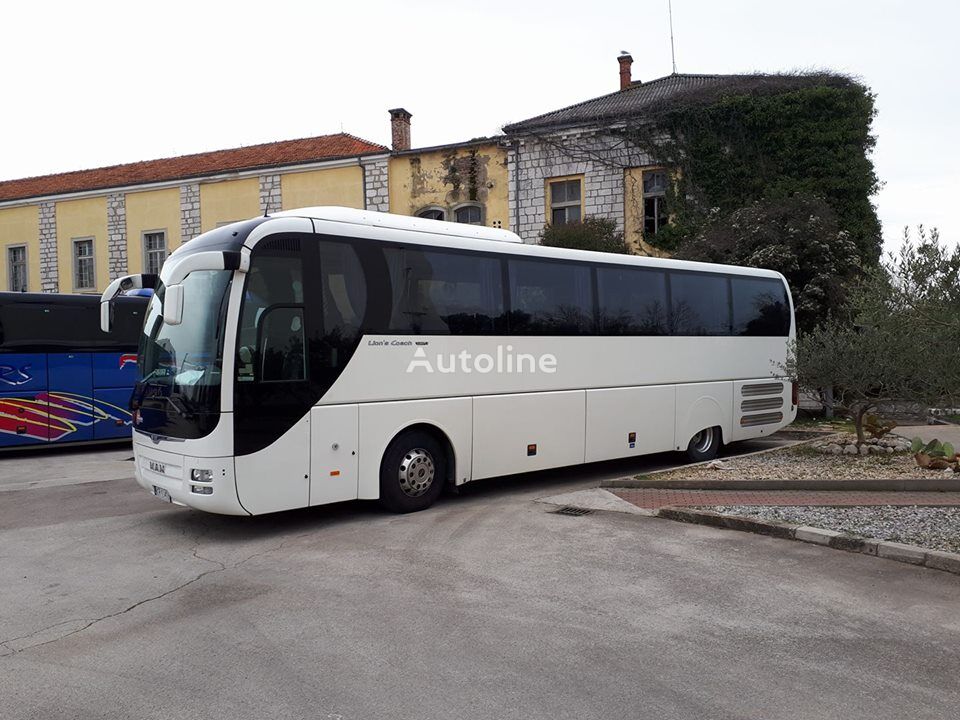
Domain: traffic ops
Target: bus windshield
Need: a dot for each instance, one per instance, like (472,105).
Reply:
(181,364)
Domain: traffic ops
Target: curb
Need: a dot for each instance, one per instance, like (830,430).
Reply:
(624,481)
(911,554)
(892,485)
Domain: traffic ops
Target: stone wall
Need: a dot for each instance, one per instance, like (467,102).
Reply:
(117,234)
(49,280)
(189,212)
(271,199)
(376,193)
(599,157)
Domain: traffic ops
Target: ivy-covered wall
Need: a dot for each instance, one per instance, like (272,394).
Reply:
(762,138)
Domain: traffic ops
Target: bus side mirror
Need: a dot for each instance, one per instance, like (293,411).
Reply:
(105,316)
(173,305)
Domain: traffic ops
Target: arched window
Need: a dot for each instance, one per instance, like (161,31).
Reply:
(470,214)
(433,213)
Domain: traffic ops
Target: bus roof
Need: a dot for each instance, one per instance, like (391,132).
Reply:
(401,222)
(401,228)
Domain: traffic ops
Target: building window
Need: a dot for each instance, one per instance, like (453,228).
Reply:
(17,268)
(654,201)
(469,214)
(83,269)
(565,201)
(154,251)
(433,213)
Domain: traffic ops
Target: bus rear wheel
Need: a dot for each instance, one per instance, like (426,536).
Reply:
(412,472)
(704,445)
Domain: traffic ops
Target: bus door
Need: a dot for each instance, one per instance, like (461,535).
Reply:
(70,396)
(23,405)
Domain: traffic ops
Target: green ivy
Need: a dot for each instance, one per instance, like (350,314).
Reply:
(762,138)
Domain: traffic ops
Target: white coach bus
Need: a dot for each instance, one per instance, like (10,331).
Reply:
(326,354)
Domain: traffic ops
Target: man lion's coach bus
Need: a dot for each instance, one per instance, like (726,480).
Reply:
(62,380)
(326,354)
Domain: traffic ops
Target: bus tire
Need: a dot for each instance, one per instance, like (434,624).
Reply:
(704,445)
(413,472)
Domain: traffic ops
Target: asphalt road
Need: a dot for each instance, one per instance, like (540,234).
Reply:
(114,605)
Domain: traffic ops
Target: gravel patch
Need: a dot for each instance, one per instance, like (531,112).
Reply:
(935,528)
(802,462)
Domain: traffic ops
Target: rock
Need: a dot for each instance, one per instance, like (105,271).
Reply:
(835,449)
(864,449)
(850,450)
(889,450)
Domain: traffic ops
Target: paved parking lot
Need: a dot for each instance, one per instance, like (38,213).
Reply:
(115,605)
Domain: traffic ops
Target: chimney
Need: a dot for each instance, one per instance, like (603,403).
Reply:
(400,128)
(625,61)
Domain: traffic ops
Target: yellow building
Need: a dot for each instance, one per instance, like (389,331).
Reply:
(74,232)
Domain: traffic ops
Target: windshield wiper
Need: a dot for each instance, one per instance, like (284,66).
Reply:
(180,404)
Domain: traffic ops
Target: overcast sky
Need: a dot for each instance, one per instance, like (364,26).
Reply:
(87,84)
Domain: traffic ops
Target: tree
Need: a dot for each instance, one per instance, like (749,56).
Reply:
(905,341)
(798,236)
(593,233)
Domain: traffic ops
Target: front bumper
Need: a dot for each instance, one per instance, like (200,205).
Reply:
(171,471)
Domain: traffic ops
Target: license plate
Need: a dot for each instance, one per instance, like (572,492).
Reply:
(162,493)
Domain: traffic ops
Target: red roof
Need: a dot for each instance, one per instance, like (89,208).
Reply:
(254,157)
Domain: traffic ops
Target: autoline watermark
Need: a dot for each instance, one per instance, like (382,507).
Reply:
(505,360)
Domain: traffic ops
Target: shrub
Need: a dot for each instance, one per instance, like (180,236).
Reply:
(592,233)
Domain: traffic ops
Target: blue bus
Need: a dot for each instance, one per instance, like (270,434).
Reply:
(63,380)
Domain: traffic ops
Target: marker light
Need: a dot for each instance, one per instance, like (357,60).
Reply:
(198,475)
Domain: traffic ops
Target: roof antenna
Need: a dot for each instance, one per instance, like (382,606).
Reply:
(673,56)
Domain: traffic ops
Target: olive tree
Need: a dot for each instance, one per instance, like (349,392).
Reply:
(905,342)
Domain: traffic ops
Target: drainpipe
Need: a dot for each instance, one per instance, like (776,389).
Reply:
(516,186)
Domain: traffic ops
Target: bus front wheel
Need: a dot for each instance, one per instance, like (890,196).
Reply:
(704,445)
(412,472)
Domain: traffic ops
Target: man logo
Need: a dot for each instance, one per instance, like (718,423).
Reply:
(158,467)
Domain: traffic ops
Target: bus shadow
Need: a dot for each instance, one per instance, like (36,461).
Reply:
(234,529)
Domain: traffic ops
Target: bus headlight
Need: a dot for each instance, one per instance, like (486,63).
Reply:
(198,475)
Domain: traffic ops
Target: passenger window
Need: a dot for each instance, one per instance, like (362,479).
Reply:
(550,298)
(700,304)
(441,293)
(760,307)
(344,291)
(632,301)
(281,345)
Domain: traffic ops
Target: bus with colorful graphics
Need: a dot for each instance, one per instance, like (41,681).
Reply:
(327,354)
(63,380)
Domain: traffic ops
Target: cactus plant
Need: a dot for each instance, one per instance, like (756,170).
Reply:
(935,455)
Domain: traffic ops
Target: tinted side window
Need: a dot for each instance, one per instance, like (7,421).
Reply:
(23,326)
(550,298)
(440,293)
(700,304)
(760,307)
(632,301)
(343,308)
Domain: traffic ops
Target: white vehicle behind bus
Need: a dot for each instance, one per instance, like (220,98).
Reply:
(327,354)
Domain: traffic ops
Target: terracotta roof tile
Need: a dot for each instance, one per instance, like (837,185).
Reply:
(285,152)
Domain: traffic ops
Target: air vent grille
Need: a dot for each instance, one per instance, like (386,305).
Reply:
(771,388)
(773,403)
(761,419)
